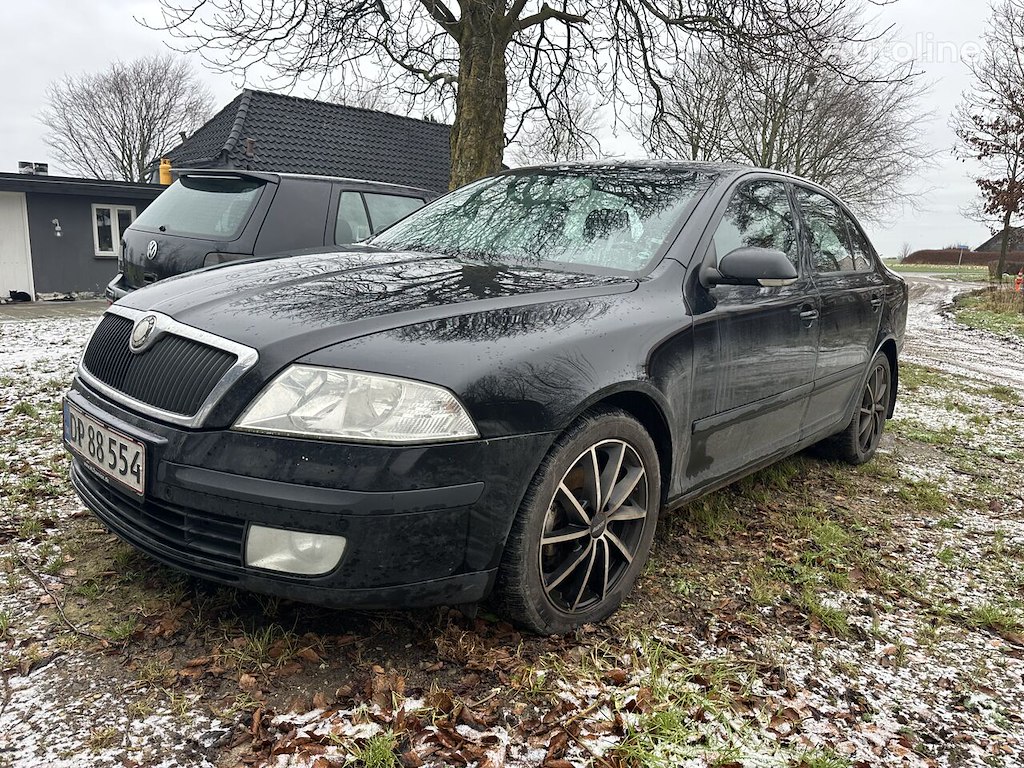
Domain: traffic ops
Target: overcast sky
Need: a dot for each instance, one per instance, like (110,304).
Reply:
(48,38)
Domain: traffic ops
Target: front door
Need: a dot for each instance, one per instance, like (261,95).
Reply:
(15,252)
(757,346)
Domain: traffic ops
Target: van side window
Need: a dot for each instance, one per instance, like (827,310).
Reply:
(352,224)
(385,210)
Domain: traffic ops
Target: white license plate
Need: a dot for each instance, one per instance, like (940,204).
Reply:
(108,451)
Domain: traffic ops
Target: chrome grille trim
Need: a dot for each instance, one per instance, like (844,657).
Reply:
(246,358)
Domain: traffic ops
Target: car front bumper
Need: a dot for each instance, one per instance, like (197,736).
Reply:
(424,525)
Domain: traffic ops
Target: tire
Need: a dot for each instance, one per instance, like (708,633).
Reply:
(552,587)
(857,443)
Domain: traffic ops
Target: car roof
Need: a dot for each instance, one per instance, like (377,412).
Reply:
(276,176)
(726,170)
(682,165)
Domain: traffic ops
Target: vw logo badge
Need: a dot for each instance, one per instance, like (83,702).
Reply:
(151,249)
(142,333)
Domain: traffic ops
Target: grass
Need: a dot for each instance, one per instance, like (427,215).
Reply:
(997,617)
(967,272)
(831,618)
(925,495)
(122,631)
(997,310)
(104,737)
(378,752)
(25,408)
(914,377)
(1004,394)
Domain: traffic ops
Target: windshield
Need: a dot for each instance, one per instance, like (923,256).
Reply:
(605,218)
(215,207)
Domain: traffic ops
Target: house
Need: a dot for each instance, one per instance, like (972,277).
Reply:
(60,235)
(263,131)
(995,243)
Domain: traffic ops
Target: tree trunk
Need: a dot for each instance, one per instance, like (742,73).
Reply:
(478,135)
(1004,245)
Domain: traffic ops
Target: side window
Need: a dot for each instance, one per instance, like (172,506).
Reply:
(758,216)
(385,210)
(352,225)
(862,258)
(830,244)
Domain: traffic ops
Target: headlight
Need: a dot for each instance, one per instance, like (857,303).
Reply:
(309,401)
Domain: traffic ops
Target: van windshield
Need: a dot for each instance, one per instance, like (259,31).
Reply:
(214,207)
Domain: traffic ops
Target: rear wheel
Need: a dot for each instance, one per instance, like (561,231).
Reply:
(584,530)
(858,442)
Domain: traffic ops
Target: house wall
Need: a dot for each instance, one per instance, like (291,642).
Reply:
(69,263)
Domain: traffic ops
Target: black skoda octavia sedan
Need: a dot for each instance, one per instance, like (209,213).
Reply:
(493,398)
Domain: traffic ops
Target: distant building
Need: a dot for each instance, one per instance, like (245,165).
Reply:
(263,131)
(994,244)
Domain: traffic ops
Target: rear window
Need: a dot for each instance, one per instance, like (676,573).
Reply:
(214,207)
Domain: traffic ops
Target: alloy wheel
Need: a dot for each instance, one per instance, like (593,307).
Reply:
(873,408)
(594,526)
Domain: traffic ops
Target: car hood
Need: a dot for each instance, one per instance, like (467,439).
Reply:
(288,307)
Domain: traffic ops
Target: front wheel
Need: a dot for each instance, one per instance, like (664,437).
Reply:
(858,442)
(585,528)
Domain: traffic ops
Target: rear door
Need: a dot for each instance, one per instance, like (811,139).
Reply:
(851,294)
(754,364)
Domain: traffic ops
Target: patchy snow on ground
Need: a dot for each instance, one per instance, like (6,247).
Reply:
(926,677)
(59,707)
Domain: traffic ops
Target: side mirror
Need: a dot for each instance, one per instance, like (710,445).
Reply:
(764,267)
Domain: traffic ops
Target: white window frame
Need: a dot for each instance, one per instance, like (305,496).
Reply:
(114,230)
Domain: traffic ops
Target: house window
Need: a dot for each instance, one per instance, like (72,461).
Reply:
(108,224)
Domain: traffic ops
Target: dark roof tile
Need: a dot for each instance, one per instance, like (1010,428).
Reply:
(293,135)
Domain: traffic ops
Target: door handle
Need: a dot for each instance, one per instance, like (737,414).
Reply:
(876,302)
(808,315)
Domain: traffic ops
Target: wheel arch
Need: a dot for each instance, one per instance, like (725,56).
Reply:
(645,407)
(888,348)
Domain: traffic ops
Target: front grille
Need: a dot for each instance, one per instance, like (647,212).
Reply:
(186,532)
(174,374)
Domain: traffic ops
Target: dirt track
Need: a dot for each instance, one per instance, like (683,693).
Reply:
(935,339)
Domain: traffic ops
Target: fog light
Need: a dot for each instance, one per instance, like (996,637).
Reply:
(308,554)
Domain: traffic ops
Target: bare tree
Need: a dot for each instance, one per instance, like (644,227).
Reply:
(852,126)
(905,251)
(113,124)
(486,59)
(695,121)
(564,133)
(989,122)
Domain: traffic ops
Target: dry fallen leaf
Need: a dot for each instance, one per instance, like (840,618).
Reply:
(247,682)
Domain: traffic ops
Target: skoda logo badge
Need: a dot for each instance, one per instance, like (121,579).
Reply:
(142,333)
(151,249)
